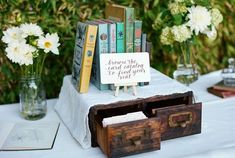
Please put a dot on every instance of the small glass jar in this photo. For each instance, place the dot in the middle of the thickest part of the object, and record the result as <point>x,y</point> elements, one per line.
<point>32,98</point>
<point>228,74</point>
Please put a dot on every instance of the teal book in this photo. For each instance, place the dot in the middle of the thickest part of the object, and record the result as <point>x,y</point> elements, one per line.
<point>120,37</point>
<point>101,47</point>
<point>130,16</point>
<point>112,45</point>
<point>137,35</point>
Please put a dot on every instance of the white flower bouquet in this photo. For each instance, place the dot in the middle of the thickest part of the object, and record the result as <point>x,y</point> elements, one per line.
<point>185,19</point>
<point>27,46</point>
<point>180,24</point>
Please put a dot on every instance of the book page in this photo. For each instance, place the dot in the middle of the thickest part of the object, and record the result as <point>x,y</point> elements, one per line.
<point>31,136</point>
<point>5,129</point>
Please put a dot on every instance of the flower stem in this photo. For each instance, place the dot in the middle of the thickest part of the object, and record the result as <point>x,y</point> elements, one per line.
<point>42,64</point>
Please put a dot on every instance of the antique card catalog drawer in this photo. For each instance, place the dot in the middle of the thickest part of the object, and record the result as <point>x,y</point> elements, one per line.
<point>179,120</point>
<point>128,138</point>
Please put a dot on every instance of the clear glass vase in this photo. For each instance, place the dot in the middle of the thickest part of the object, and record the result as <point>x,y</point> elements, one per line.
<point>32,98</point>
<point>187,71</point>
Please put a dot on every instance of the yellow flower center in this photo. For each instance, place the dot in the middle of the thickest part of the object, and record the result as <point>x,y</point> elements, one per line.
<point>47,44</point>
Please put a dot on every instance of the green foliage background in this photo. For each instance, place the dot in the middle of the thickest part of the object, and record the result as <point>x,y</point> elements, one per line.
<point>61,16</point>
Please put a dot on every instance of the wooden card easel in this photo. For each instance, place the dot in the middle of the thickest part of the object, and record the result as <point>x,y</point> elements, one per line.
<point>133,85</point>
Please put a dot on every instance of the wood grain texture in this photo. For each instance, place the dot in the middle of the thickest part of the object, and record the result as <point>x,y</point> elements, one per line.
<point>142,104</point>
<point>179,120</point>
<point>130,137</point>
<point>169,116</point>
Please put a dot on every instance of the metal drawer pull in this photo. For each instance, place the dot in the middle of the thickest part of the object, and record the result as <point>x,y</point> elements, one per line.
<point>181,119</point>
<point>136,141</point>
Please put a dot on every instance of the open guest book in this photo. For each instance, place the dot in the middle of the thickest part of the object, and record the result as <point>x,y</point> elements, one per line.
<point>27,136</point>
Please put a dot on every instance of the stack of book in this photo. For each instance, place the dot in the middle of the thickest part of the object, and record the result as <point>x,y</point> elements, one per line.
<point>222,90</point>
<point>118,33</point>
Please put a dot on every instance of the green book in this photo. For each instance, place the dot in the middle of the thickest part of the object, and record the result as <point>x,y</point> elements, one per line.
<point>137,35</point>
<point>120,37</point>
<point>130,16</point>
<point>126,15</point>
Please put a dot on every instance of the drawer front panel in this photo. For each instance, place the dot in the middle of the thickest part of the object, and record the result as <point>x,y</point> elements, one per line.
<point>134,137</point>
<point>180,120</point>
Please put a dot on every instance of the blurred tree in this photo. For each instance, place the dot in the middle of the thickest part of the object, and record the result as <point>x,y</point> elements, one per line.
<point>61,16</point>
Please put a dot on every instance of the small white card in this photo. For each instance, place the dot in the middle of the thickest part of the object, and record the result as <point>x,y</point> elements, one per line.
<point>122,68</point>
<point>27,136</point>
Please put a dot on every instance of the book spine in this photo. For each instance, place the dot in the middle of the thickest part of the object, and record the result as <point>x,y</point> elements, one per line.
<point>148,49</point>
<point>101,47</point>
<point>112,38</point>
<point>143,49</point>
<point>143,42</point>
<point>78,53</point>
<point>129,20</point>
<point>87,58</point>
<point>120,37</point>
<point>137,35</point>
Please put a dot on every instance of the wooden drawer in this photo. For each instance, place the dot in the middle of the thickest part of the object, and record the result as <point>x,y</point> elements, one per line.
<point>179,120</point>
<point>169,116</point>
<point>129,138</point>
<point>142,104</point>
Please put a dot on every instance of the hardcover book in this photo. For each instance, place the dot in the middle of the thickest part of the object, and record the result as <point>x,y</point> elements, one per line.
<point>126,15</point>
<point>120,37</point>
<point>83,56</point>
<point>145,47</point>
<point>221,93</point>
<point>101,47</point>
<point>221,86</point>
<point>111,36</point>
<point>143,42</point>
<point>130,16</point>
<point>137,35</point>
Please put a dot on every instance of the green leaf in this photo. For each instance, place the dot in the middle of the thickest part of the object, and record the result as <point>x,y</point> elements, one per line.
<point>155,3</point>
<point>53,3</point>
<point>151,15</point>
<point>178,19</point>
<point>202,2</point>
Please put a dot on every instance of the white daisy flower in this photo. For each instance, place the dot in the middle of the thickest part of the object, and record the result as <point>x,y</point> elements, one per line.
<point>20,53</point>
<point>49,43</point>
<point>27,58</point>
<point>13,34</point>
<point>31,30</point>
<point>199,19</point>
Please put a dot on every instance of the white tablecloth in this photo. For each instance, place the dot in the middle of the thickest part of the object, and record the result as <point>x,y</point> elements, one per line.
<point>73,108</point>
<point>217,139</point>
<point>200,86</point>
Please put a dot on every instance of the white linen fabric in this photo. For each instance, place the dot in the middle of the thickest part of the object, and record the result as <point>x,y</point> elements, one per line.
<point>73,107</point>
